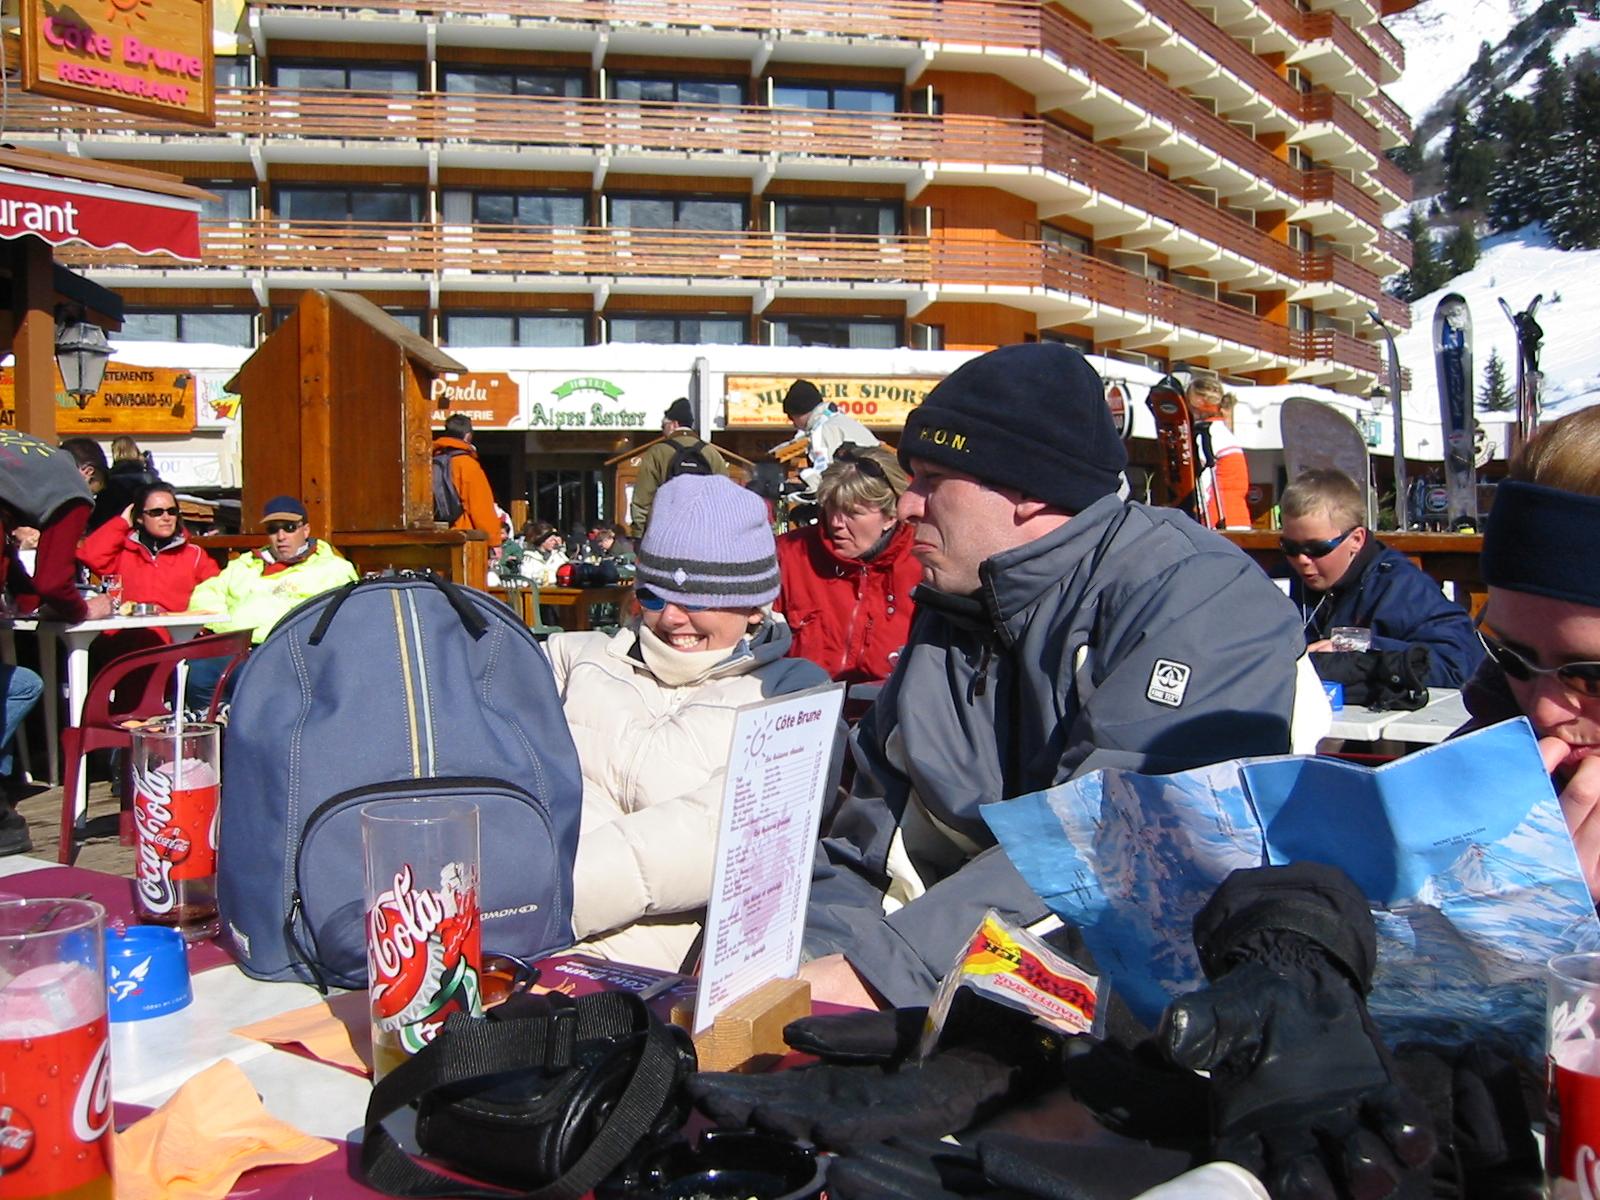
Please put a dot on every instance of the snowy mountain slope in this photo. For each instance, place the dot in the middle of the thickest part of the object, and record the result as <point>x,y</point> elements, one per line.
<point>1441,40</point>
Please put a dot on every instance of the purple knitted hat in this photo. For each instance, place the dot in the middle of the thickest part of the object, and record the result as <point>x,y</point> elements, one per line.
<point>708,543</point>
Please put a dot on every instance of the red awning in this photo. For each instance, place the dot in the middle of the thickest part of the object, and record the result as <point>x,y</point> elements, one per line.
<point>77,211</point>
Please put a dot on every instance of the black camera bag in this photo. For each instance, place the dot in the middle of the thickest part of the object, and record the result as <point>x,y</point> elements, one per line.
<point>546,1093</point>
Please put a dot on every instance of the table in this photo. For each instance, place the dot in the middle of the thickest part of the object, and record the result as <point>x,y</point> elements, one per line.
<point>579,600</point>
<point>151,1059</point>
<point>182,626</point>
<point>1442,716</point>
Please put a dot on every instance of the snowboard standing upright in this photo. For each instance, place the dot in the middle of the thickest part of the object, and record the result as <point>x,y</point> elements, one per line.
<point>1175,436</point>
<point>1318,436</point>
<point>1452,349</point>
<point>1529,380</point>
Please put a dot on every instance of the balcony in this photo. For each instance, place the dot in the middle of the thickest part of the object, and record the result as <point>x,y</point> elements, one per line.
<point>1335,132</point>
<point>1337,55</point>
<point>1390,51</point>
<point>1058,285</point>
<point>1393,124</point>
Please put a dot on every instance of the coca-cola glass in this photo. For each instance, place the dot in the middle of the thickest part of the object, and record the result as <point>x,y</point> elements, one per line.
<point>176,782</point>
<point>112,586</point>
<point>424,948</point>
<point>1572,1063</point>
<point>55,1051</point>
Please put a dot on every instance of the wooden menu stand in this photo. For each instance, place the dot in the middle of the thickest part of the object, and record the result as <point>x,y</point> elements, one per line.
<point>748,1035</point>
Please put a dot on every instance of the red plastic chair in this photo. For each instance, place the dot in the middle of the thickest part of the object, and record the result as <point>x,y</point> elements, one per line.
<point>132,687</point>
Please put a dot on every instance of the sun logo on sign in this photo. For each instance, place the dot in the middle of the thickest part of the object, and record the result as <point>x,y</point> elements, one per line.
<point>127,10</point>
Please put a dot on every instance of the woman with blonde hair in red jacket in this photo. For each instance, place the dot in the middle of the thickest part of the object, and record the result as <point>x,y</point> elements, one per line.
<point>845,582</point>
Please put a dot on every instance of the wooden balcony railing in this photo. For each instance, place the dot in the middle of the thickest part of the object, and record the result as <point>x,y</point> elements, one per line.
<point>1393,179</point>
<point>1396,246</point>
<point>1326,106</point>
<point>1391,114</point>
<point>1215,43</point>
<point>603,126</point>
<point>1329,345</point>
<point>1387,46</point>
<point>1329,26</point>
<point>1336,269</point>
<point>438,249</point>
<point>1396,313</point>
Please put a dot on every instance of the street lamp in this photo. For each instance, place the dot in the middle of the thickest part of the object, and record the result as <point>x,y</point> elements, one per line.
<point>82,353</point>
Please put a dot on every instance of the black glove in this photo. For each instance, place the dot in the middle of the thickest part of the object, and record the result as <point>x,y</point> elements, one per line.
<point>1001,1167</point>
<point>1303,1090</point>
<point>842,1105</point>
<point>1481,1097</point>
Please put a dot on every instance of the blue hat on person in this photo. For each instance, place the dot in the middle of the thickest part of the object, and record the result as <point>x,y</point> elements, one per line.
<point>283,508</point>
<point>708,544</point>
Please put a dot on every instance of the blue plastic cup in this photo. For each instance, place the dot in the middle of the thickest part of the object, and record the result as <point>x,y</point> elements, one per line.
<point>1335,693</point>
<point>147,972</point>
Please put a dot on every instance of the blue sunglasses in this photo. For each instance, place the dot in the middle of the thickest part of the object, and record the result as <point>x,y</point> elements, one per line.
<point>651,602</point>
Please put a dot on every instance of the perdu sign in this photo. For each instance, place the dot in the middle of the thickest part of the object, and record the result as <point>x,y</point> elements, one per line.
<point>145,56</point>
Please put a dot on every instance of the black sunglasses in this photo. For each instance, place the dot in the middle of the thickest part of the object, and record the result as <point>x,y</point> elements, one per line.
<point>866,464</point>
<point>160,512</point>
<point>651,602</point>
<point>1317,549</point>
<point>1580,678</point>
<point>282,526</point>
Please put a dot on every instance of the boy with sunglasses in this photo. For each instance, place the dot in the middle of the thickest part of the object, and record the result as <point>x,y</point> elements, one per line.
<point>1344,576</point>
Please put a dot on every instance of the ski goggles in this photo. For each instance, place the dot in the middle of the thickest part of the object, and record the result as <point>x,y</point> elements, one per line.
<point>1320,548</point>
<point>651,602</point>
<point>1579,678</point>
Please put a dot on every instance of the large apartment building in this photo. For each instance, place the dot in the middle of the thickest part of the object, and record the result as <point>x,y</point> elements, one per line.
<point>1157,181</point>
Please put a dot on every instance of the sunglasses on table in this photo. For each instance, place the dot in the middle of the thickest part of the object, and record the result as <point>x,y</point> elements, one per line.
<point>651,602</point>
<point>1580,678</point>
<point>160,512</point>
<point>1320,548</point>
<point>282,526</point>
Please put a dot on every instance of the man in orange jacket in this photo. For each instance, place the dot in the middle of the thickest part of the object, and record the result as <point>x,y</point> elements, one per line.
<point>472,485</point>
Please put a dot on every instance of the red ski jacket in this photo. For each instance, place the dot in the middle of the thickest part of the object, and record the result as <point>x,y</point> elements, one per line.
<point>164,578</point>
<point>848,616</point>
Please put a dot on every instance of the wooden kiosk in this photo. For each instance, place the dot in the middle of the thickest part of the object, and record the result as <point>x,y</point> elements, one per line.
<point>625,468</point>
<point>337,411</point>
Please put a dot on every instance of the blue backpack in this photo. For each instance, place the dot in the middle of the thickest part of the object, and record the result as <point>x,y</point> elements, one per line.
<point>395,687</point>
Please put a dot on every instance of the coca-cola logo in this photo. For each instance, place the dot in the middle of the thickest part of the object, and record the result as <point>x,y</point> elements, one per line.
<point>91,1109</point>
<point>152,871</point>
<point>16,1139</point>
<point>414,939</point>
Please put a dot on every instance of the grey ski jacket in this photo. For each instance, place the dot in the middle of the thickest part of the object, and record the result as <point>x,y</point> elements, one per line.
<point>1129,637</point>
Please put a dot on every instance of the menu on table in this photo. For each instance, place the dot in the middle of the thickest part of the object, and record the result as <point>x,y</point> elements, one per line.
<point>779,768</point>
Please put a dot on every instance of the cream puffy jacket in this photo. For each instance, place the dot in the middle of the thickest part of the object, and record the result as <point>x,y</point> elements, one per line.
<point>654,759</point>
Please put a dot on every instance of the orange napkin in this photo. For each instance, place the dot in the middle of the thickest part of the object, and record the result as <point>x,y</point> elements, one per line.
<point>197,1144</point>
<point>337,1030</point>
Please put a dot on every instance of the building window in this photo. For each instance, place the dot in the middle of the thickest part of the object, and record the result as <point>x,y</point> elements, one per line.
<point>836,216</point>
<point>515,329</point>
<point>513,208</point>
<point>862,333</point>
<point>1051,236</point>
<point>1082,345</point>
<point>305,202</point>
<point>219,328</point>
<point>840,97</point>
<point>669,329</point>
<point>234,201</point>
<point>723,92</point>
<point>231,70</point>
<point>486,81</point>
<point>347,77</point>
<point>1299,318</point>
<point>669,212</point>
<point>927,337</point>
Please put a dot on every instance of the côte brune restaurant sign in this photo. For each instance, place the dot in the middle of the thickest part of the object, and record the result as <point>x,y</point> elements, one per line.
<point>142,56</point>
<point>132,400</point>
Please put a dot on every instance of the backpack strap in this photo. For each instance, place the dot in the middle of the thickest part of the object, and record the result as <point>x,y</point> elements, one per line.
<point>469,1048</point>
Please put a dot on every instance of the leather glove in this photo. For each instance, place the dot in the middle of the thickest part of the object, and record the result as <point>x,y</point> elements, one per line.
<point>841,1105</point>
<point>1303,1090</point>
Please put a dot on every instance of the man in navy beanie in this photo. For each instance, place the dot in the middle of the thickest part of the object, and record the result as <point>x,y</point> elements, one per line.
<point>1059,629</point>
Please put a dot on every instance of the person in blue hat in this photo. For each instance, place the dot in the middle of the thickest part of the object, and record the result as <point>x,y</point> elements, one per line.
<point>256,590</point>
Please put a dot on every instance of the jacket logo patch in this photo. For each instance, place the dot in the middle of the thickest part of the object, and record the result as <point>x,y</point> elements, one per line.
<point>1168,682</point>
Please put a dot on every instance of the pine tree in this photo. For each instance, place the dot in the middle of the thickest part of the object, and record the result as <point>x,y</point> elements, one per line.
<point>1460,251</point>
<point>1468,163</point>
<point>1572,200</point>
<point>1426,273</point>
<point>1495,395</point>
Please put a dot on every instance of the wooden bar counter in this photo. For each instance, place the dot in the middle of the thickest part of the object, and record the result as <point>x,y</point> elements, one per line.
<point>1448,557</point>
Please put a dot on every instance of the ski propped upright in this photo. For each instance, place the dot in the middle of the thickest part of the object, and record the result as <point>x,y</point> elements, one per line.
<point>1529,381</point>
<point>1175,436</point>
<point>1452,352</point>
